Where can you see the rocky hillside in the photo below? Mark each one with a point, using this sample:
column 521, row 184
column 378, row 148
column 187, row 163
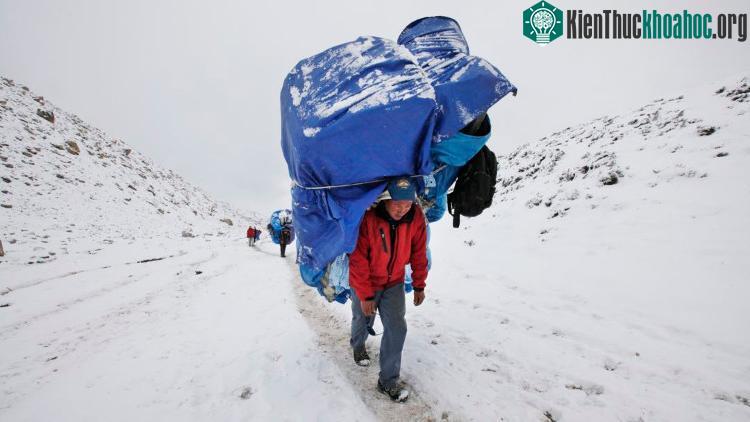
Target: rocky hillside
column 67, row 187
column 608, row 281
column 698, row 138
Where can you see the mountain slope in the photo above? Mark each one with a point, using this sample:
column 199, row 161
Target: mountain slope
column 69, row 188
column 609, row 279
column 127, row 293
column 572, row 298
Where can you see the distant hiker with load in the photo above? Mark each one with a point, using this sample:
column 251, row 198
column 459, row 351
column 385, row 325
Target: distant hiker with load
column 391, row 235
column 281, row 229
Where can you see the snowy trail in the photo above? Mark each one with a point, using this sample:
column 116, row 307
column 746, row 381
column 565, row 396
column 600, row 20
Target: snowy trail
column 222, row 331
column 332, row 330
column 82, row 294
column 192, row 338
column 35, row 282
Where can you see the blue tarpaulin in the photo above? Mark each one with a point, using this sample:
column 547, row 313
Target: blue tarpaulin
column 361, row 112
column 356, row 113
column 281, row 219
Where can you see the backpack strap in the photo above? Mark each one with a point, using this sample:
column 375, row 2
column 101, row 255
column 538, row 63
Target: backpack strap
column 451, row 210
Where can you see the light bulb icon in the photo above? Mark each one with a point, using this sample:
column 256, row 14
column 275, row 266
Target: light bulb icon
column 542, row 21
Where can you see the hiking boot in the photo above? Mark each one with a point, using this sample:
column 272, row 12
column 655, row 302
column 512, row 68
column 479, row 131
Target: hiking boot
column 361, row 357
column 397, row 393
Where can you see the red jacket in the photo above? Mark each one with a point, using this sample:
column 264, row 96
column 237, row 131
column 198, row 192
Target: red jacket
column 384, row 247
column 250, row 232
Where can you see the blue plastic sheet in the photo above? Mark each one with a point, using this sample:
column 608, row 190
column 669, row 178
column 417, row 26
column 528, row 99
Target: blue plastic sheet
column 359, row 112
column 281, row 219
column 367, row 110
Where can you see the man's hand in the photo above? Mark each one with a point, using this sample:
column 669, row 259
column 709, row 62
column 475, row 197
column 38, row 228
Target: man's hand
column 368, row 307
column 418, row 297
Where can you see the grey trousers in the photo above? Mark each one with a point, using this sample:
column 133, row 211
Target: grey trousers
column 391, row 306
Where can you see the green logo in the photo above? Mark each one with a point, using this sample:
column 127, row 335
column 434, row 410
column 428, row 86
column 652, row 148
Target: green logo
column 542, row 22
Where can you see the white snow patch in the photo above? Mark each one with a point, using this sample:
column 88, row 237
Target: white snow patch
column 464, row 113
column 460, row 72
column 311, row 131
column 296, row 96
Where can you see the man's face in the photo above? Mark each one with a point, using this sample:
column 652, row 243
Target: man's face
column 397, row 209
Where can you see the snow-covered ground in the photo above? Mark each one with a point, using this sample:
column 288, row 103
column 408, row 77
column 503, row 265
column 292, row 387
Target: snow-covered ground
column 121, row 340
column 608, row 282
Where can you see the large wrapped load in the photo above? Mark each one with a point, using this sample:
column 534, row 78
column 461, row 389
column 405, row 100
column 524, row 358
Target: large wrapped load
column 280, row 220
column 352, row 116
column 362, row 112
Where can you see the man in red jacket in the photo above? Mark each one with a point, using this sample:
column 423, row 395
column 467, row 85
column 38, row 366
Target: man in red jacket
column 391, row 235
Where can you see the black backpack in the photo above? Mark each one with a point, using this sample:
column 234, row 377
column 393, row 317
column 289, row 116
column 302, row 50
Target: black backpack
column 475, row 186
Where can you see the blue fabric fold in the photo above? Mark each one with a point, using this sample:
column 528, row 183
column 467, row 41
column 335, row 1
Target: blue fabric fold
column 465, row 85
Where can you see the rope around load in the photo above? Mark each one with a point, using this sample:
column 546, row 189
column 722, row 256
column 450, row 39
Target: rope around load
column 294, row 182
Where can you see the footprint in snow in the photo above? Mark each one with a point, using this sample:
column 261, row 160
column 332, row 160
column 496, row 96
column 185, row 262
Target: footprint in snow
column 588, row 388
column 246, row 393
column 484, row 353
column 611, row 365
column 732, row 398
column 552, row 415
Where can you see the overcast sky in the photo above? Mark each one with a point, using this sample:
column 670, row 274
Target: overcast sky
column 195, row 84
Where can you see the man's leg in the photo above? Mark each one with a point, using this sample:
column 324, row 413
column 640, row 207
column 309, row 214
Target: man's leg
column 392, row 309
column 359, row 325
